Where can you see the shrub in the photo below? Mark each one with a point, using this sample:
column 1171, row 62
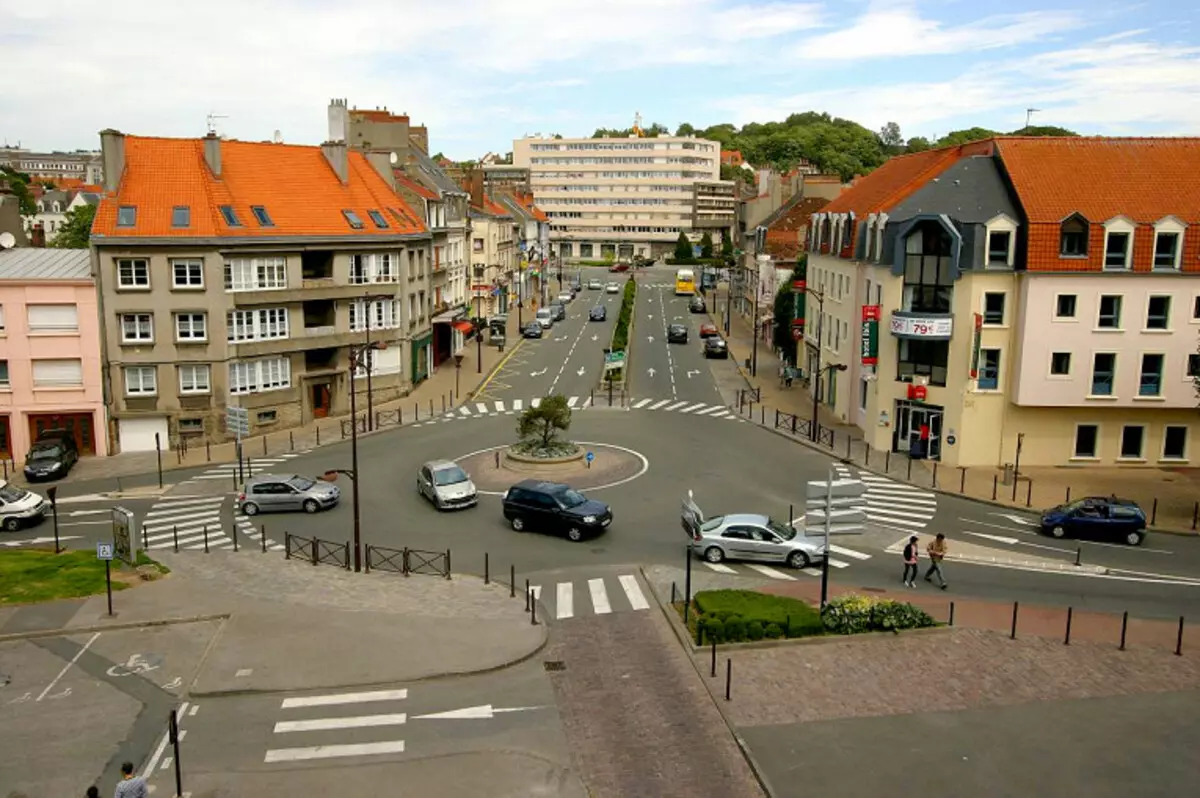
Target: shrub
column 735, row 629
column 714, row 630
column 754, row 630
column 799, row 618
column 853, row 614
column 620, row 338
column 773, row 631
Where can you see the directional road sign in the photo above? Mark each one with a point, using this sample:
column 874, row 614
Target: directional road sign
column 237, row 421
column 842, row 499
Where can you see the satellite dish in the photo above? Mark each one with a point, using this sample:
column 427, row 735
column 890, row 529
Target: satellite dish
column 394, row 158
column 7, row 241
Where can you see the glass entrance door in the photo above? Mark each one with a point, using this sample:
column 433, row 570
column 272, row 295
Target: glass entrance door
column 918, row 430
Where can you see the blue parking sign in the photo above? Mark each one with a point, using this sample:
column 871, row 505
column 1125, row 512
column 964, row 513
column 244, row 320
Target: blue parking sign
column 104, row 551
column 591, row 456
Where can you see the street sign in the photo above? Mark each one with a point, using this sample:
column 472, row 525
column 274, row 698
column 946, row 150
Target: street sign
column 122, row 523
column 237, row 421
column 870, row 334
column 842, row 499
column 104, row 551
column 614, row 357
column 591, row 456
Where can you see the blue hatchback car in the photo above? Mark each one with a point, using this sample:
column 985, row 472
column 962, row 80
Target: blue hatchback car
column 1097, row 518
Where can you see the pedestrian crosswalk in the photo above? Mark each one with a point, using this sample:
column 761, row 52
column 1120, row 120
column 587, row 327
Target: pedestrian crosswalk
column 196, row 523
column 891, row 503
column 499, row 407
column 319, row 724
column 782, row 573
column 250, row 466
column 564, row 600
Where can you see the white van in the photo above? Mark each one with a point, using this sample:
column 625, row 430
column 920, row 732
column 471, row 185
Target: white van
column 19, row 507
column 545, row 317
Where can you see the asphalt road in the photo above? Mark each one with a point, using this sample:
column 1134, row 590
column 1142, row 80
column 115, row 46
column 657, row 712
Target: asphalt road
column 663, row 370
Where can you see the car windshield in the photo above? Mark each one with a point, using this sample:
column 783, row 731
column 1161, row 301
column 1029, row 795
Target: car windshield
column 677, row 328
column 783, row 530
column 712, row 523
column 301, row 483
column 1080, row 504
column 45, row 450
column 449, row 476
column 570, row 498
column 10, row 493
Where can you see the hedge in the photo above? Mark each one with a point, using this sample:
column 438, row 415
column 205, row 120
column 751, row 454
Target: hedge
column 696, row 262
column 734, row 616
column 620, row 338
column 848, row 615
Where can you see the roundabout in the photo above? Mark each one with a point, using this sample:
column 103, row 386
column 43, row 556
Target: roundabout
column 610, row 467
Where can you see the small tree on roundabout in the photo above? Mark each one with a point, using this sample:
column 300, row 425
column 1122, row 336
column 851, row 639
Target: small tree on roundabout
column 539, row 427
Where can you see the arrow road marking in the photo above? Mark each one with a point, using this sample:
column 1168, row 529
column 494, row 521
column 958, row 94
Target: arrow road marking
column 581, row 371
column 690, row 373
column 1017, row 519
column 650, row 371
column 36, row 541
column 538, row 373
column 486, row 712
column 650, row 339
column 561, row 339
column 997, row 538
column 595, row 337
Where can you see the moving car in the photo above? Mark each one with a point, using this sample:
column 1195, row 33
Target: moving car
column 619, row 267
column 677, row 334
column 612, row 288
column 559, row 310
column 51, row 456
column 555, row 508
column 532, row 330
column 708, row 330
column 566, row 297
column 715, row 347
column 269, row 493
column 1098, row 518
column 748, row 536
column 445, row 484
column 544, row 317
column 598, row 313
column 594, row 285
column 19, row 507
column 697, row 305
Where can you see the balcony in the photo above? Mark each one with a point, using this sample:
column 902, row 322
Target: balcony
column 916, row 325
column 315, row 332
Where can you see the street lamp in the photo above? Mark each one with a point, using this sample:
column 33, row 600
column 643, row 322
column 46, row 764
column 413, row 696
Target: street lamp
column 367, row 300
column 816, row 372
column 356, row 353
column 458, row 359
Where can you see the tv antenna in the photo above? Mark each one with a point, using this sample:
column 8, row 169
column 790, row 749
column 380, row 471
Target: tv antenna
column 1029, row 112
column 212, row 122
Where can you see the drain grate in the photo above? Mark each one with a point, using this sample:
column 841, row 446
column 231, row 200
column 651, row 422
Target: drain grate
column 554, row 665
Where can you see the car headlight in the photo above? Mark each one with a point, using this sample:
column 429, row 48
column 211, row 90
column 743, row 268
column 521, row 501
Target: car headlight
column 589, row 519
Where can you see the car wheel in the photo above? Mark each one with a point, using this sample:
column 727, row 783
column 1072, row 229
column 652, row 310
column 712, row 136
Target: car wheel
column 798, row 560
column 311, row 506
column 1134, row 538
column 437, row 503
column 249, row 508
column 714, row 554
column 1058, row 532
column 12, row 524
column 574, row 534
column 518, row 523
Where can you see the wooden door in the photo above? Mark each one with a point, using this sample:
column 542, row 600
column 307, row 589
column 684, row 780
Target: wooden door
column 321, row 400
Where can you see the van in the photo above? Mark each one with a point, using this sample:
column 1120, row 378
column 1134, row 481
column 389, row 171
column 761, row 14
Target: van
column 545, row 317
column 19, row 507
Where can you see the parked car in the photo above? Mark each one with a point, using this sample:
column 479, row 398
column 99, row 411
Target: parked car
column 748, row 536
column 598, row 313
column 545, row 317
column 1098, row 518
column 697, row 305
column 51, row 456
column 270, row 493
column 594, row 285
column 447, row 485
column 554, row 508
column 559, row 310
column 619, row 267
column 566, row 297
column 677, row 334
column 715, row 347
column 708, row 330
column 532, row 330
column 19, row 507
column 612, row 288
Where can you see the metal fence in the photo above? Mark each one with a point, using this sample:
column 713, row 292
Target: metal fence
column 316, row 551
column 408, row 561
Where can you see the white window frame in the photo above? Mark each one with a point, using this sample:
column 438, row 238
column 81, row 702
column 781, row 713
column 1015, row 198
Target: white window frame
column 1120, row 313
column 1001, row 223
column 1091, row 376
column 63, row 328
column 187, row 263
column 1095, row 455
column 134, row 264
column 260, row 324
column 2, row 328
column 137, row 321
column 1168, row 225
column 383, row 314
column 260, row 376
column 140, row 380
column 1118, row 224
column 186, row 332
column 880, row 228
column 195, row 379
column 872, row 221
column 256, row 274
column 376, row 267
column 1162, row 450
column 1067, row 319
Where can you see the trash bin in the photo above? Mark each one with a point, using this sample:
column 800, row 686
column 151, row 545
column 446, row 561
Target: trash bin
column 1010, row 473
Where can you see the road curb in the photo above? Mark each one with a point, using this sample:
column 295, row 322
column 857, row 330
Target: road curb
column 111, row 627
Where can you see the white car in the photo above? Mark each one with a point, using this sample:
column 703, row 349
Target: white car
column 612, row 288
column 545, row 317
column 594, row 285
column 19, row 507
column 565, row 297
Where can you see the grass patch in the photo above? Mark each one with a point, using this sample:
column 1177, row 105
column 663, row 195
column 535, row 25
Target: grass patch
column 29, row 576
column 736, row 616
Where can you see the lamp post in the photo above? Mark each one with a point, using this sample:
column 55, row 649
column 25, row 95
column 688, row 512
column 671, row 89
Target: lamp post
column 479, row 332
column 356, row 353
column 458, row 358
column 816, row 372
column 367, row 300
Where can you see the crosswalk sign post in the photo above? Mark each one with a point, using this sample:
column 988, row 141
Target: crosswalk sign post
column 839, row 506
column 104, row 551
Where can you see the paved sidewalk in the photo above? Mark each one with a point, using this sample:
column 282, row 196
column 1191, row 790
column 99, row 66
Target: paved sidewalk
column 1170, row 496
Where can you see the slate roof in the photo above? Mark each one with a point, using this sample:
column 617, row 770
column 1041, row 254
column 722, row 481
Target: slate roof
column 893, row 181
column 36, row 263
column 439, row 178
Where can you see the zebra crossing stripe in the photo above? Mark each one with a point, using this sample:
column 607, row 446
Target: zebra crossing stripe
column 517, row 404
column 464, row 410
column 499, row 407
column 171, row 504
column 337, row 699
column 721, row 569
column 633, row 592
column 693, row 407
column 771, row 572
column 565, row 605
column 587, row 402
column 857, row 555
column 711, row 411
column 599, row 596
column 482, row 408
column 334, row 751
column 642, row 403
column 657, row 405
column 325, row 724
column 571, row 402
column 676, row 406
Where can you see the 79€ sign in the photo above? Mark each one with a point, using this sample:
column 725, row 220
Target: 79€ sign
column 870, row 334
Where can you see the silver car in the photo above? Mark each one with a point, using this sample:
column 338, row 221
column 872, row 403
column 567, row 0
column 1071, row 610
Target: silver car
column 445, row 484
column 269, row 493
column 748, row 536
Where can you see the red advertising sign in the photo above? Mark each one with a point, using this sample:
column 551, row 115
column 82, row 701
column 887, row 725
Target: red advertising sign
column 870, row 334
column 799, row 286
column 917, row 392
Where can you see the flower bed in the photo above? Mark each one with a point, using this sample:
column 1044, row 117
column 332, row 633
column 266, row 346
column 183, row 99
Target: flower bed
column 849, row 615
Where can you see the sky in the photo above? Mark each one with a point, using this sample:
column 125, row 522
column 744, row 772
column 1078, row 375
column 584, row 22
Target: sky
column 480, row 73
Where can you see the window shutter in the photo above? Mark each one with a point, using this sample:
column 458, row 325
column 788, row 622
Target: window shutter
column 54, row 373
column 53, row 318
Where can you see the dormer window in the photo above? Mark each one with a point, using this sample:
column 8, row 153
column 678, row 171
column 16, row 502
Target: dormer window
column 261, row 216
column 1118, row 244
column 57, row 208
column 378, row 219
column 353, row 220
column 126, row 216
column 230, row 216
column 998, row 243
column 1168, row 244
column 1073, row 238
column 181, row 216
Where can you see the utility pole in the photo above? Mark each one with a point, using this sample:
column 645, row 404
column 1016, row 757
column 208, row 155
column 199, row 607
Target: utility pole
column 1029, row 112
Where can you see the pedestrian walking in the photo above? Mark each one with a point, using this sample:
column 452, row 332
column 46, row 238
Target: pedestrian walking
column 910, row 562
column 93, row 792
column 937, row 552
column 130, row 786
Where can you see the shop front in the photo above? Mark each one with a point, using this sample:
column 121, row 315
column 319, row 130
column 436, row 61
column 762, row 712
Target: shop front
column 422, row 354
column 918, row 427
column 447, row 334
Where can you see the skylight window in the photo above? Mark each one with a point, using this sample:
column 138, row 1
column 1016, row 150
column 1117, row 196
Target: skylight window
column 260, row 213
column 353, row 219
column 126, row 216
column 378, row 219
column 230, row 216
column 181, row 216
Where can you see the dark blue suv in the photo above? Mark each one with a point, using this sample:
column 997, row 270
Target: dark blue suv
column 1098, row 518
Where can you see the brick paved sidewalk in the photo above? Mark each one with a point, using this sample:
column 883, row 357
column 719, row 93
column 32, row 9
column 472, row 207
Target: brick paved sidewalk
column 1170, row 497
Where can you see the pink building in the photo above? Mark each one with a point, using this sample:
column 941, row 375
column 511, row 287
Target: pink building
column 49, row 350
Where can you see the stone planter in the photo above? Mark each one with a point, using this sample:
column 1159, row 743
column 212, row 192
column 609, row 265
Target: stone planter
column 516, row 461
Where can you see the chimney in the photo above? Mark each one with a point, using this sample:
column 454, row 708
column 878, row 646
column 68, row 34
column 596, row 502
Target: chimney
column 338, row 117
column 382, row 163
column 112, row 149
column 474, row 185
column 418, row 136
column 212, row 153
column 335, row 153
column 38, row 236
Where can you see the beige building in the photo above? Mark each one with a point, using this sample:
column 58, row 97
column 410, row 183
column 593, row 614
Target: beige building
column 620, row 197
column 494, row 257
column 243, row 274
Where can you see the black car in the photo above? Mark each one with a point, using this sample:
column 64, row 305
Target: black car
column 677, row 334
column 697, row 305
column 51, row 456
column 715, row 347
column 1097, row 518
column 532, row 330
column 555, row 508
column 598, row 313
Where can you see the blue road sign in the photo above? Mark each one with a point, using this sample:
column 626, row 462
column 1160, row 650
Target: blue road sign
column 104, row 551
column 591, row 456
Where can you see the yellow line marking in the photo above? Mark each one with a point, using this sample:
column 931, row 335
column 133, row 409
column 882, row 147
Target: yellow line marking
column 496, row 370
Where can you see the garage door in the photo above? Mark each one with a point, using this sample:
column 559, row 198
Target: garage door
column 137, row 434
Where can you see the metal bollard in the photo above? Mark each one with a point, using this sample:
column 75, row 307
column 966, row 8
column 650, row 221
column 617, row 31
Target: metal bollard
column 443, row 403
column 526, row 595
column 291, row 441
column 951, row 621
column 431, row 405
column 233, row 528
column 1078, row 554
column 867, row 454
column 207, row 452
column 206, row 538
column 909, row 477
column 512, row 581
column 314, row 551
column 1029, row 493
column 175, row 535
column 497, row 458
column 699, row 634
column 962, row 481
column 1068, row 499
column 674, row 594
column 1070, row 614
column 262, row 536
column 791, row 516
column 487, row 575
column 728, row 678
column 1154, row 511
column 533, row 613
column 887, row 462
column 849, row 442
column 447, row 563
column 995, row 481
column 935, row 464
column 1179, row 639
column 1016, row 606
column 1124, row 629
column 417, row 411
column 264, row 446
column 317, row 429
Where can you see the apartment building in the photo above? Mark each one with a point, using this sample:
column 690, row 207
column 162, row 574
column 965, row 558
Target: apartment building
column 240, row 273
column 50, row 375
column 533, row 243
column 82, row 165
column 494, row 257
column 620, row 197
column 1039, row 293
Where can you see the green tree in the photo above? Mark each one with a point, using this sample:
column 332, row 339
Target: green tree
column 1043, row 130
column 956, row 137
column 789, row 306
column 889, row 136
column 76, row 229
column 685, row 130
column 706, row 245
column 683, row 247
column 539, row 426
column 726, row 246
column 19, row 183
column 917, row 144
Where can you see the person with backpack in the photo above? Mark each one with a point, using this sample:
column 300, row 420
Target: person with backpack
column 911, row 554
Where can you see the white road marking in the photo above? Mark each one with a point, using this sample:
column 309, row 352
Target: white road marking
column 858, row 555
column 838, row 563
column 499, row 406
column 657, row 405
column 599, row 596
column 333, row 751
column 192, row 711
column 888, row 512
column 642, row 403
column 464, row 410
column 536, row 592
column 883, row 520
column 481, row 408
column 518, row 404
column 213, row 516
column 67, row 667
column 721, row 569
column 537, row 402
column 771, row 572
column 710, row 410
column 324, row 724
column 693, row 407
column 811, row 571
column 997, row 538
column 335, row 699
column 633, row 592
column 179, row 504
column 565, row 603
column 571, row 402
column 723, row 413
column 676, row 406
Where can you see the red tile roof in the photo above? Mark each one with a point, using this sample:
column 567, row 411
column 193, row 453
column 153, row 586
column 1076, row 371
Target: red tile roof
column 413, row 186
column 893, row 181
column 297, row 186
column 527, row 203
column 494, row 209
column 784, row 241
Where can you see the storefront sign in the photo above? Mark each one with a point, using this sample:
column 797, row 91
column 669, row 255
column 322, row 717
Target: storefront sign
column 915, row 326
column 799, row 286
column 976, row 343
column 917, row 393
column 870, row 334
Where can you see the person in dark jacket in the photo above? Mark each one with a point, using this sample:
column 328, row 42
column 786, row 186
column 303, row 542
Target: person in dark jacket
column 911, row 553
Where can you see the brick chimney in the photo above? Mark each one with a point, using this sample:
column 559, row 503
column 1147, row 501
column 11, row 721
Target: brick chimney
column 212, row 153
column 473, row 184
column 37, row 237
column 112, row 153
column 418, row 136
column 335, row 154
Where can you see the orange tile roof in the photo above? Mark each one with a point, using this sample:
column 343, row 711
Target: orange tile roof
column 300, row 191
column 495, row 209
column 527, row 203
column 414, row 186
column 893, row 181
column 1142, row 178
column 64, row 183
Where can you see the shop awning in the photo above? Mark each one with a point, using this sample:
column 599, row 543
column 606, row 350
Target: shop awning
column 463, row 326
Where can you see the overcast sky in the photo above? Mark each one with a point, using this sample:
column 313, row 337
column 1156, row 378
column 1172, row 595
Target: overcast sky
column 481, row 72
